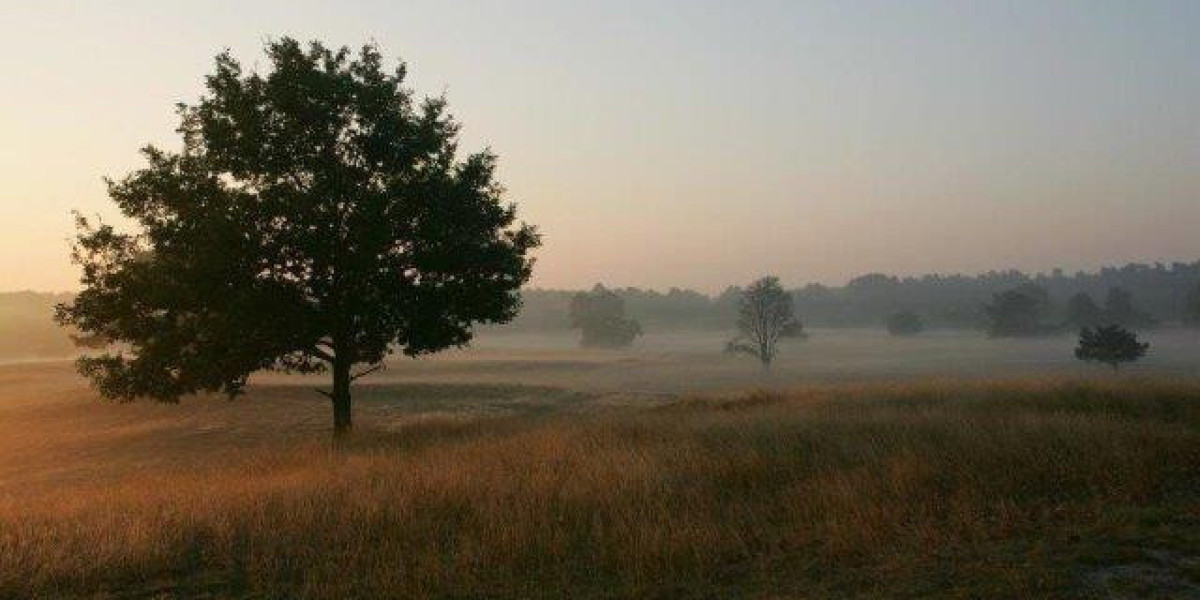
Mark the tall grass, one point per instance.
(949, 488)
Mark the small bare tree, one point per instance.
(766, 314)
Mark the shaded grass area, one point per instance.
(947, 489)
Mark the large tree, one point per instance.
(317, 218)
(766, 315)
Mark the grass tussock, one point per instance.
(956, 489)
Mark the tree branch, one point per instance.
(367, 372)
(323, 393)
(321, 354)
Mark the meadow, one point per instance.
(862, 466)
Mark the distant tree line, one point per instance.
(1135, 295)
(1028, 310)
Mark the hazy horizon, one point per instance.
(693, 145)
(789, 283)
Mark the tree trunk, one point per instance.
(341, 398)
(766, 360)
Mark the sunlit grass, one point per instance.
(962, 489)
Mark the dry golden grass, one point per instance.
(959, 489)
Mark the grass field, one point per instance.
(525, 469)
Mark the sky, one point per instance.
(693, 143)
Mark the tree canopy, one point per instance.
(316, 217)
(600, 317)
(1110, 345)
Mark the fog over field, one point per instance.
(693, 361)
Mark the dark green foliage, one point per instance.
(766, 314)
(600, 316)
(1110, 345)
(1019, 312)
(316, 217)
(905, 323)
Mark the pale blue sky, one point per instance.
(686, 143)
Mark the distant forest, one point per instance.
(941, 301)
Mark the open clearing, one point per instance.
(864, 466)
